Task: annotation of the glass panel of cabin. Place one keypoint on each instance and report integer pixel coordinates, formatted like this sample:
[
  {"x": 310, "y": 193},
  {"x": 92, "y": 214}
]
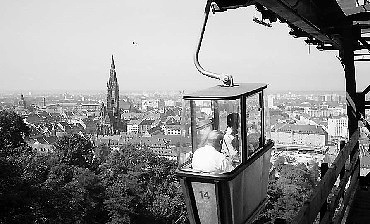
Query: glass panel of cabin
[
  {"x": 253, "y": 119},
  {"x": 184, "y": 152},
  {"x": 208, "y": 115},
  {"x": 267, "y": 122},
  {"x": 203, "y": 121},
  {"x": 230, "y": 126}
]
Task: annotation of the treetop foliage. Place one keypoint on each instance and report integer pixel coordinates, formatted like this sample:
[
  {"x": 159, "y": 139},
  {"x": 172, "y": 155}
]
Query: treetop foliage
[
  {"x": 75, "y": 150},
  {"x": 82, "y": 183},
  {"x": 288, "y": 189},
  {"x": 12, "y": 132}
]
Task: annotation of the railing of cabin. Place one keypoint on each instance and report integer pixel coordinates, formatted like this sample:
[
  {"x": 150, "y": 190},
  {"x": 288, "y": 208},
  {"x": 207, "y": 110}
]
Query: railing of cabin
[{"x": 346, "y": 166}]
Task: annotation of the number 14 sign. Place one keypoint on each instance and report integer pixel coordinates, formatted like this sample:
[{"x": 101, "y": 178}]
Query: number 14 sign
[{"x": 205, "y": 198}]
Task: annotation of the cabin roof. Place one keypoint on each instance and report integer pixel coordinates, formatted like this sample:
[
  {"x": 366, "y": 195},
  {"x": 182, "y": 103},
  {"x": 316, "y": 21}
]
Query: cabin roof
[{"x": 224, "y": 92}]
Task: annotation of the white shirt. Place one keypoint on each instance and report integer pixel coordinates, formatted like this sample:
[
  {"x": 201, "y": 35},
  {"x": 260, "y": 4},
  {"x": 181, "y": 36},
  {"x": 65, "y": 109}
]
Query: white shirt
[{"x": 208, "y": 159}]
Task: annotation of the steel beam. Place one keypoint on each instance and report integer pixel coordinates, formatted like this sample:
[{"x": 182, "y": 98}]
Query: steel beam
[
  {"x": 350, "y": 76},
  {"x": 313, "y": 19}
]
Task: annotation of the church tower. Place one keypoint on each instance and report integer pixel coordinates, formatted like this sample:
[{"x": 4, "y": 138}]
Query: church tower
[
  {"x": 113, "y": 97},
  {"x": 22, "y": 102}
]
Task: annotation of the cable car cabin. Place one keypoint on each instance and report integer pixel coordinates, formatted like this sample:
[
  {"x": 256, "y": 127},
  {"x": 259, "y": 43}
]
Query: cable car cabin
[{"x": 227, "y": 126}]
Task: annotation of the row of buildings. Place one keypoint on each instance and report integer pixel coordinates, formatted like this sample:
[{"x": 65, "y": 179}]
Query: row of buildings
[
  {"x": 156, "y": 122},
  {"x": 308, "y": 120},
  {"x": 147, "y": 122}
]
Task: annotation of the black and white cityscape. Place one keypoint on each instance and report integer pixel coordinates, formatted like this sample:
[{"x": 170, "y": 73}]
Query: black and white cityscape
[
  {"x": 98, "y": 129},
  {"x": 108, "y": 116}
]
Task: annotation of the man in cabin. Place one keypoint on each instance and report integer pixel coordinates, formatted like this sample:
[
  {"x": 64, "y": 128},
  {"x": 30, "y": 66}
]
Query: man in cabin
[{"x": 209, "y": 158}]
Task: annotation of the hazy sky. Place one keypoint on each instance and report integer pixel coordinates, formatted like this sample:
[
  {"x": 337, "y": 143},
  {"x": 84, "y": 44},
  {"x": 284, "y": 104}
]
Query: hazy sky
[{"x": 67, "y": 45}]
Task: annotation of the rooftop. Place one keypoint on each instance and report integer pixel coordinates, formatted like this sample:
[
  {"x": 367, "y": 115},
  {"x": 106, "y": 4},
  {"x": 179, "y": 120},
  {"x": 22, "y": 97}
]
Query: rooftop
[{"x": 303, "y": 129}]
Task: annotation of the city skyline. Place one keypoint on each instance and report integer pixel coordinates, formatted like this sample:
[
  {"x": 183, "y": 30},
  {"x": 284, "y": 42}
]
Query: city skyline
[
  {"x": 138, "y": 92},
  {"x": 68, "y": 46}
]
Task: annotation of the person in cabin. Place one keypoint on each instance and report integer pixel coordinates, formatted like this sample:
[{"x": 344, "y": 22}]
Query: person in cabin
[
  {"x": 230, "y": 146},
  {"x": 209, "y": 157}
]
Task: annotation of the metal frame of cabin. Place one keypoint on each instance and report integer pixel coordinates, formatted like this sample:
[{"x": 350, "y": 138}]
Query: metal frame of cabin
[{"x": 236, "y": 196}]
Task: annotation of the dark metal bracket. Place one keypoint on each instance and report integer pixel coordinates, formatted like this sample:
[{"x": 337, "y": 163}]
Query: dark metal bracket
[{"x": 227, "y": 80}]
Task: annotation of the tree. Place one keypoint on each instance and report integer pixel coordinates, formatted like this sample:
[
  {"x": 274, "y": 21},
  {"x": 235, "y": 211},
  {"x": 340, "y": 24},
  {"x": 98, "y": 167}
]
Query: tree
[
  {"x": 21, "y": 193},
  {"x": 296, "y": 185},
  {"x": 73, "y": 195},
  {"x": 121, "y": 176},
  {"x": 288, "y": 192},
  {"x": 164, "y": 200},
  {"x": 75, "y": 150},
  {"x": 12, "y": 132},
  {"x": 130, "y": 185},
  {"x": 141, "y": 187},
  {"x": 16, "y": 188},
  {"x": 101, "y": 153}
]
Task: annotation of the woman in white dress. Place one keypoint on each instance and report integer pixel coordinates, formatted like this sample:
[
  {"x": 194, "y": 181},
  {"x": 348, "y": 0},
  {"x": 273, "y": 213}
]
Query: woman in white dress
[{"x": 230, "y": 145}]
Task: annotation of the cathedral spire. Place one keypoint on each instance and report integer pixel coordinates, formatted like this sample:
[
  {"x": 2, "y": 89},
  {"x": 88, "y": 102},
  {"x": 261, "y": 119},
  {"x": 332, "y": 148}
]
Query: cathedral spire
[
  {"x": 112, "y": 106},
  {"x": 112, "y": 77},
  {"x": 113, "y": 66}
]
